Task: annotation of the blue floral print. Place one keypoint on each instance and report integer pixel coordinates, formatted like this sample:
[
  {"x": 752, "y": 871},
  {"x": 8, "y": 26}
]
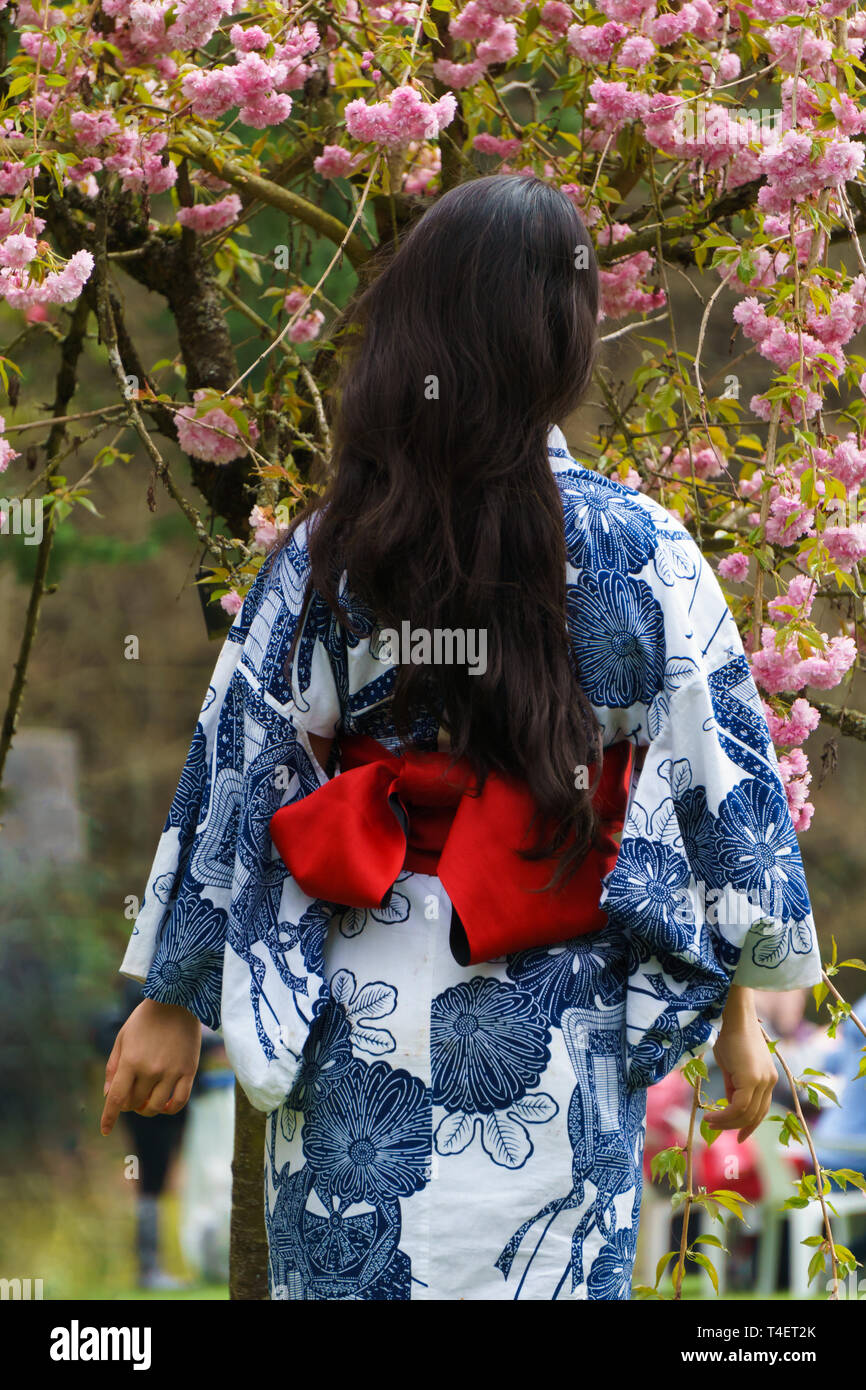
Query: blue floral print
[
  {"x": 369, "y": 1137},
  {"x": 607, "y": 529},
  {"x": 757, "y": 850},
  {"x": 489, "y": 1045},
  {"x": 646, "y": 893},
  {"x": 618, "y": 632},
  {"x": 572, "y": 974}
]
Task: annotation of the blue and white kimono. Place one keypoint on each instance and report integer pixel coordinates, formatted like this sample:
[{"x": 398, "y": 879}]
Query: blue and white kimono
[{"x": 444, "y": 1132}]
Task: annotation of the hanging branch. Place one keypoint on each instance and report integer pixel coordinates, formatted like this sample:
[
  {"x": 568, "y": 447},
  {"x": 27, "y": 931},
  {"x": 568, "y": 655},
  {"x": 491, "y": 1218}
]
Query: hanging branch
[
  {"x": 67, "y": 381},
  {"x": 31, "y": 622},
  {"x": 819, "y": 1173},
  {"x": 289, "y": 353},
  {"x": 690, "y": 1170},
  {"x": 858, "y": 1023},
  {"x": 216, "y": 546}
]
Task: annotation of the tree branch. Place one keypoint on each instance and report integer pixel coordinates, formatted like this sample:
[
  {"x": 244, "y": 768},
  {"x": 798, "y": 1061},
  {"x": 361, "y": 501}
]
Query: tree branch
[
  {"x": 67, "y": 380},
  {"x": 675, "y": 231},
  {"x": 254, "y": 186}
]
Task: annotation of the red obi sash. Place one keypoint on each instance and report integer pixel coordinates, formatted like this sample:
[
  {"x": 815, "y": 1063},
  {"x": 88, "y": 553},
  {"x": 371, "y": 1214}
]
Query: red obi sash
[{"x": 348, "y": 841}]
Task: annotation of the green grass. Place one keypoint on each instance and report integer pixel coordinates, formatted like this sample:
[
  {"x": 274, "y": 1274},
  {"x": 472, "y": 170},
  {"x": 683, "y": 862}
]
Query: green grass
[{"x": 74, "y": 1228}]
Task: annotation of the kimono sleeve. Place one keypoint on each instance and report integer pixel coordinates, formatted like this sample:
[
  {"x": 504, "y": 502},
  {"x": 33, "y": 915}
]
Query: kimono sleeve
[
  {"x": 177, "y": 944},
  {"x": 708, "y": 885}
]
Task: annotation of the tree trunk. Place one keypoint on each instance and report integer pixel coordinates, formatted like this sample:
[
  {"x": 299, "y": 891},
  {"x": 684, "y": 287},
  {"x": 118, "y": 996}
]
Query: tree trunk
[{"x": 248, "y": 1250}]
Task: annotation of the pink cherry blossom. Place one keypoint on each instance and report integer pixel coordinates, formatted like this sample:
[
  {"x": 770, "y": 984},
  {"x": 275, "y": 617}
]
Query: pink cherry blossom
[
  {"x": 251, "y": 40},
  {"x": 623, "y": 285},
  {"x": 776, "y": 668},
  {"x": 800, "y": 595},
  {"x": 789, "y": 518},
  {"x": 7, "y": 453},
  {"x": 267, "y": 527},
  {"x": 637, "y": 52},
  {"x": 845, "y": 545},
  {"x": 628, "y": 11},
  {"x": 802, "y": 720},
  {"x": 334, "y": 162},
  {"x": 93, "y": 127},
  {"x": 474, "y": 22},
  {"x": 58, "y": 286},
  {"x": 734, "y": 566},
  {"x": 17, "y": 251},
  {"x": 459, "y": 75},
  {"x": 305, "y": 329},
  {"x": 784, "y": 44},
  {"x": 667, "y": 28},
  {"x": 555, "y": 16},
  {"x": 796, "y": 777},
  {"x": 232, "y": 602},
  {"x": 214, "y": 436},
  {"x": 704, "y": 462},
  {"x": 424, "y": 167},
  {"x": 401, "y": 117},
  {"x": 498, "y": 45},
  {"x": 848, "y": 463},
  {"x": 495, "y": 144},
  {"x": 595, "y": 43},
  {"x": 826, "y": 669},
  {"x": 206, "y": 218},
  {"x": 14, "y": 178},
  {"x": 614, "y": 104}
]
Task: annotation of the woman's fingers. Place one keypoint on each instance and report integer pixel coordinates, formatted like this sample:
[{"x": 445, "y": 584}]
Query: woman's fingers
[
  {"x": 112, "y": 1063},
  {"x": 765, "y": 1100},
  {"x": 746, "y": 1109},
  {"x": 180, "y": 1096},
  {"x": 158, "y": 1097},
  {"x": 734, "y": 1114},
  {"x": 116, "y": 1098},
  {"x": 752, "y": 1117}
]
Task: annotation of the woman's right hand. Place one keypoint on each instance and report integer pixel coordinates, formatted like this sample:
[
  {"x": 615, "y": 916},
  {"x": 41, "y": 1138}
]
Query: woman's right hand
[{"x": 153, "y": 1062}]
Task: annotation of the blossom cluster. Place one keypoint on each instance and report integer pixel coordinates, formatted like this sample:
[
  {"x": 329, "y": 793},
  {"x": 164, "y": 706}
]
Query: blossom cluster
[
  {"x": 401, "y": 118},
  {"x": 212, "y": 434}
]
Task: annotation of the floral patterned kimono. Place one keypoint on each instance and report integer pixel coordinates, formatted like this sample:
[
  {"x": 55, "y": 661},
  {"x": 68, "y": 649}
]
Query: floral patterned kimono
[{"x": 447, "y": 1132}]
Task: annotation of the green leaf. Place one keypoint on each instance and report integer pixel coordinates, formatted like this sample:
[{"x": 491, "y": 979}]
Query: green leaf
[
  {"x": 709, "y": 1240},
  {"x": 663, "y": 1264},
  {"x": 731, "y": 1201},
  {"x": 708, "y": 1133},
  {"x": 707, "y": 1264},
  {"x": 816, "y": 1264},
  {"x": 20, "y": 84}
]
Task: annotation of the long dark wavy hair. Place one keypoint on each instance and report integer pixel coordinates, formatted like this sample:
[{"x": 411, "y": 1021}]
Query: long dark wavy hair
[{"x": 476, "y": 336}]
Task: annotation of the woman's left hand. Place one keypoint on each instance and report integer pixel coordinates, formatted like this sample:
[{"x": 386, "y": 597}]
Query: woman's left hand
[{"x": 747, "y": 1066}]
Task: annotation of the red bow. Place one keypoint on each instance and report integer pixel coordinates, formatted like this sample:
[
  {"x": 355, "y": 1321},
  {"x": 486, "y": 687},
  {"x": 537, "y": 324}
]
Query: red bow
[{"x": 348, "y": 841}]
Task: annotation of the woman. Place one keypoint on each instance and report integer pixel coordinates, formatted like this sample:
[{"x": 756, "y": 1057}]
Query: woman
[{"x": 438, "y": 1129}]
